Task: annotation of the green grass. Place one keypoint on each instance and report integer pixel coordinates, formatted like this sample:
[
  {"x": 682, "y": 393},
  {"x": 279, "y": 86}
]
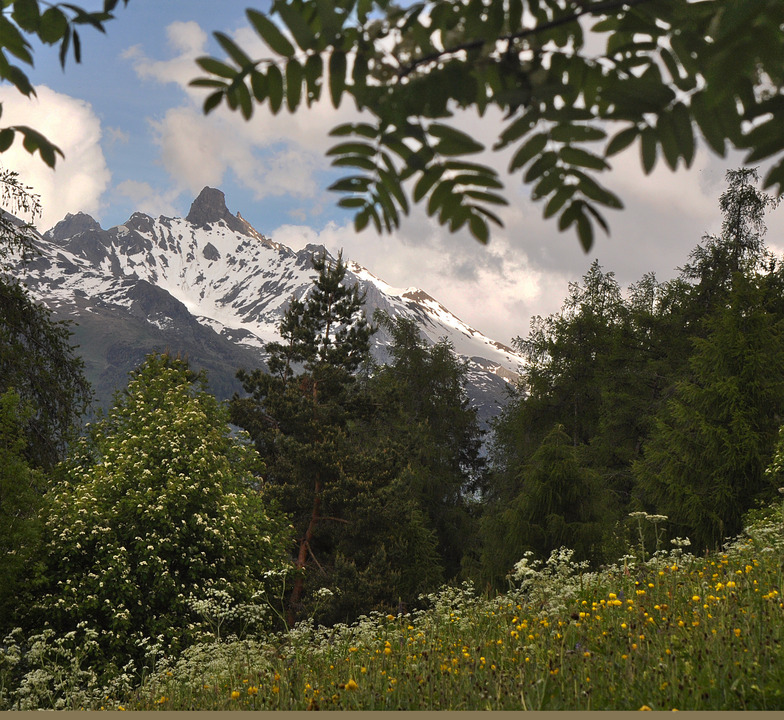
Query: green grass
[{"x": 674, "y": 632}]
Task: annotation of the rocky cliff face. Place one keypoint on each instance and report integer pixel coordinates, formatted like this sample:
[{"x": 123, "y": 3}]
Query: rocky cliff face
[{"x": 213, "y": 288}]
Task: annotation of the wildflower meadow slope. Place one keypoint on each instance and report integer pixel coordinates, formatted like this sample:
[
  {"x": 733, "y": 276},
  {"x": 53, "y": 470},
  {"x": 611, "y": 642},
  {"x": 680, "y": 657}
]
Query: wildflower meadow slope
[{"x": 663, "y": 631}]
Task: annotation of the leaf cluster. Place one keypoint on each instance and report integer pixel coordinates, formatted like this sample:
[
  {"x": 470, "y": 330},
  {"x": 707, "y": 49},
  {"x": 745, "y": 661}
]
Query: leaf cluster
[
  {"x": 51, "y": 24},
  {"x": 665, "y": 74}
]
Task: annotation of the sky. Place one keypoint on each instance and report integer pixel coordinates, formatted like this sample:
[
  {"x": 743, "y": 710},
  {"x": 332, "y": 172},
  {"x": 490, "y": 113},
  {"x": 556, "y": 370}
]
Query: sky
[{"x": 135, "y": 139}]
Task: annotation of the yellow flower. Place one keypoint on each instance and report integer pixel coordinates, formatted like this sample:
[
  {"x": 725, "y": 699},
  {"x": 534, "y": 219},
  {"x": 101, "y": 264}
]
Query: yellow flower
[
  {"x": 645, "y": 707},
  {"x": 235, "y": 694},
  {"x": 737, "y": 632},
  {"x": 351, "y": 684}
]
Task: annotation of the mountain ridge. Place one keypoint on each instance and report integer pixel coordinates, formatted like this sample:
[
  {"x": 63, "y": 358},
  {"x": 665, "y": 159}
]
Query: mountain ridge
[{"x": 150, "y": 282}]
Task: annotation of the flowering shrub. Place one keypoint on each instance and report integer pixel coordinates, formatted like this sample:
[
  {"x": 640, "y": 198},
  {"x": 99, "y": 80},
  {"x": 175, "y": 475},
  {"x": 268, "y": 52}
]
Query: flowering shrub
[{"x": 159, "y": 533}]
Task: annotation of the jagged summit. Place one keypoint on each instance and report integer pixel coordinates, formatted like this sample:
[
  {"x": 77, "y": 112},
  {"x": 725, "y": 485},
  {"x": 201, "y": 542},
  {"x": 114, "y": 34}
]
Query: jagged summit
[
  {"x": 72, "y": 225},
  {"x": 211, "y": 286},
  {"x": 210, "y": 207}
]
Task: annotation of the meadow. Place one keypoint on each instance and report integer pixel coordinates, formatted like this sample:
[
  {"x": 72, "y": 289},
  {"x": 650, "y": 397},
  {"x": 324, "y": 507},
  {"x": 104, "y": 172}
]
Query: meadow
[{"x": 665, "y": 631}]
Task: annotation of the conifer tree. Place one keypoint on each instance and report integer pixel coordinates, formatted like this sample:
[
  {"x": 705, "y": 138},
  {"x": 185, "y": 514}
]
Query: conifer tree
[
  {"x": 704, "y": 463},
  {"x": 298, "y": 412},
  {"x": 561, "y": 502}
]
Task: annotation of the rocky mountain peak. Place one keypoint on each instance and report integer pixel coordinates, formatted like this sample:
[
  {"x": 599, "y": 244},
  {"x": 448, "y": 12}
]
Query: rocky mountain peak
[
  {"x": 72, "y": 225},
  {"x": 210, "y": 207}
]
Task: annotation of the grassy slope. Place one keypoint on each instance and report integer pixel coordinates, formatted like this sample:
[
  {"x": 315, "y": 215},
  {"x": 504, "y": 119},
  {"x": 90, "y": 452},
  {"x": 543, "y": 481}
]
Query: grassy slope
[{"x": 675, "y": 632}]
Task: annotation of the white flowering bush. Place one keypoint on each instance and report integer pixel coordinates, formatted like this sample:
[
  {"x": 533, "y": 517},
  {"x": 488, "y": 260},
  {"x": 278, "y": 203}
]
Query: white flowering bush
[{"x": 159, "y": 534}]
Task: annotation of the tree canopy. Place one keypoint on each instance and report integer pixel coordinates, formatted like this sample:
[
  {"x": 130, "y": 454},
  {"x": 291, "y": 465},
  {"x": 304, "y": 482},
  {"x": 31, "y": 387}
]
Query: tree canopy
[{"x": 577, "y": 81}]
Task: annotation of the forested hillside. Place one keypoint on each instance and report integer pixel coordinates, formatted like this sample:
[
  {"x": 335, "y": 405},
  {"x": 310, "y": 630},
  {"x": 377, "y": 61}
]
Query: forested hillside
[{"x": 352, "y": 488}]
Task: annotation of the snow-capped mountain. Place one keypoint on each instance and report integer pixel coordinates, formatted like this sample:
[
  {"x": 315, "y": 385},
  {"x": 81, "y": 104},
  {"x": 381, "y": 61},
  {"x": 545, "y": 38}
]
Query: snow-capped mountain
[{"x": 213, "y": 288}]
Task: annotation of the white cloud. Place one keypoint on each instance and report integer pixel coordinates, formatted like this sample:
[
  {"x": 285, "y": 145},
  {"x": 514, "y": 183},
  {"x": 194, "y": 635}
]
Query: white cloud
[
  {"x": 271, "y": 155},
  {"x": 187, "y": 40},
  {"x": 80, "y": 179},
  {"x": 147, "y": 199}
]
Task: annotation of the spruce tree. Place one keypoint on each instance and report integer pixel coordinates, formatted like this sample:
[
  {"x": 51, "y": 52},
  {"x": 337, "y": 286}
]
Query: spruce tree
[{"x": 703, "y": 465}]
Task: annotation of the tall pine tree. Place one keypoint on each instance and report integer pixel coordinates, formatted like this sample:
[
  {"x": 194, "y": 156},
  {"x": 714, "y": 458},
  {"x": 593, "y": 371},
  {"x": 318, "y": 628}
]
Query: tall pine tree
[{"x": 297, "y": 414}]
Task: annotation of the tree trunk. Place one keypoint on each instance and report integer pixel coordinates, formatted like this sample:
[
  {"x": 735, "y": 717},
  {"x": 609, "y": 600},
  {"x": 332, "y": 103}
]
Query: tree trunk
[{"x": 299, "y": 584}]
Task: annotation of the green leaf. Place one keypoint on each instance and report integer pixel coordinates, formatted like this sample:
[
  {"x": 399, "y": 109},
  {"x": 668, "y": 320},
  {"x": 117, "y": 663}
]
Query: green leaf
[
  {"x": 541, "y": 165},
  {"x": 352, "y": 148},
  {"x": 592, "y": 190},
  {"x": 270, "y": 33},
  {"x": 439, "y": 196},
  {"x": 569, "y": 216},
  {"x": 212, "y": 101},
  {"x": 352, "y": 202},
  {"x": 259, "y": 85},
  {"x": 706, "y": 120},
  {"x": 207, "y": 83},
  {"x": 53, "y": 25},
  {"x": 453, "y": 141},
  {"x": 577, "y": 156},
  {"x": 297, "y": 25},
  {"x": 216, "y": 67},
  {"x": 232, "y": 50},
  {"x": 337, "y": 75},
  {"x": 294, "y": 77},
  {"x": 487, "y": 197},
  {"x": 429, "y": 178},
  {"x": 598, "y": 217},
  {"x": 648, "y": 149},
  {"x": 314, "y": 69},
  {"x": 275, "y": 87},
  {"x": 359, "y": 161},
  {"x": 684, "y": 133},
  {"x": 667, "y": 139},
  {"x": 584, "y": 232},
  {"x": 533, "y": 146},
  {"x": 622, "y": 140},
  {"x": 571, "y": 133},
  {"x": 557, "y": 201},
  {"x": 13, "y": 41},
  {"x": 353, "y": 184},
  {"x": 548, "y": 183},
  {"x": 521, "y": 126},
  {"x": 245, "y": 102},
  {"x": 361, "y": 129},
  {"x": 26, "y": 15},
  {"x": 6, "y": 139},
  {"x": 479, "y": 228},
  {"x": 392, "y": 185},
  {"x": 33, "y": 140},
  {"x": 361, "y": 219}
]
